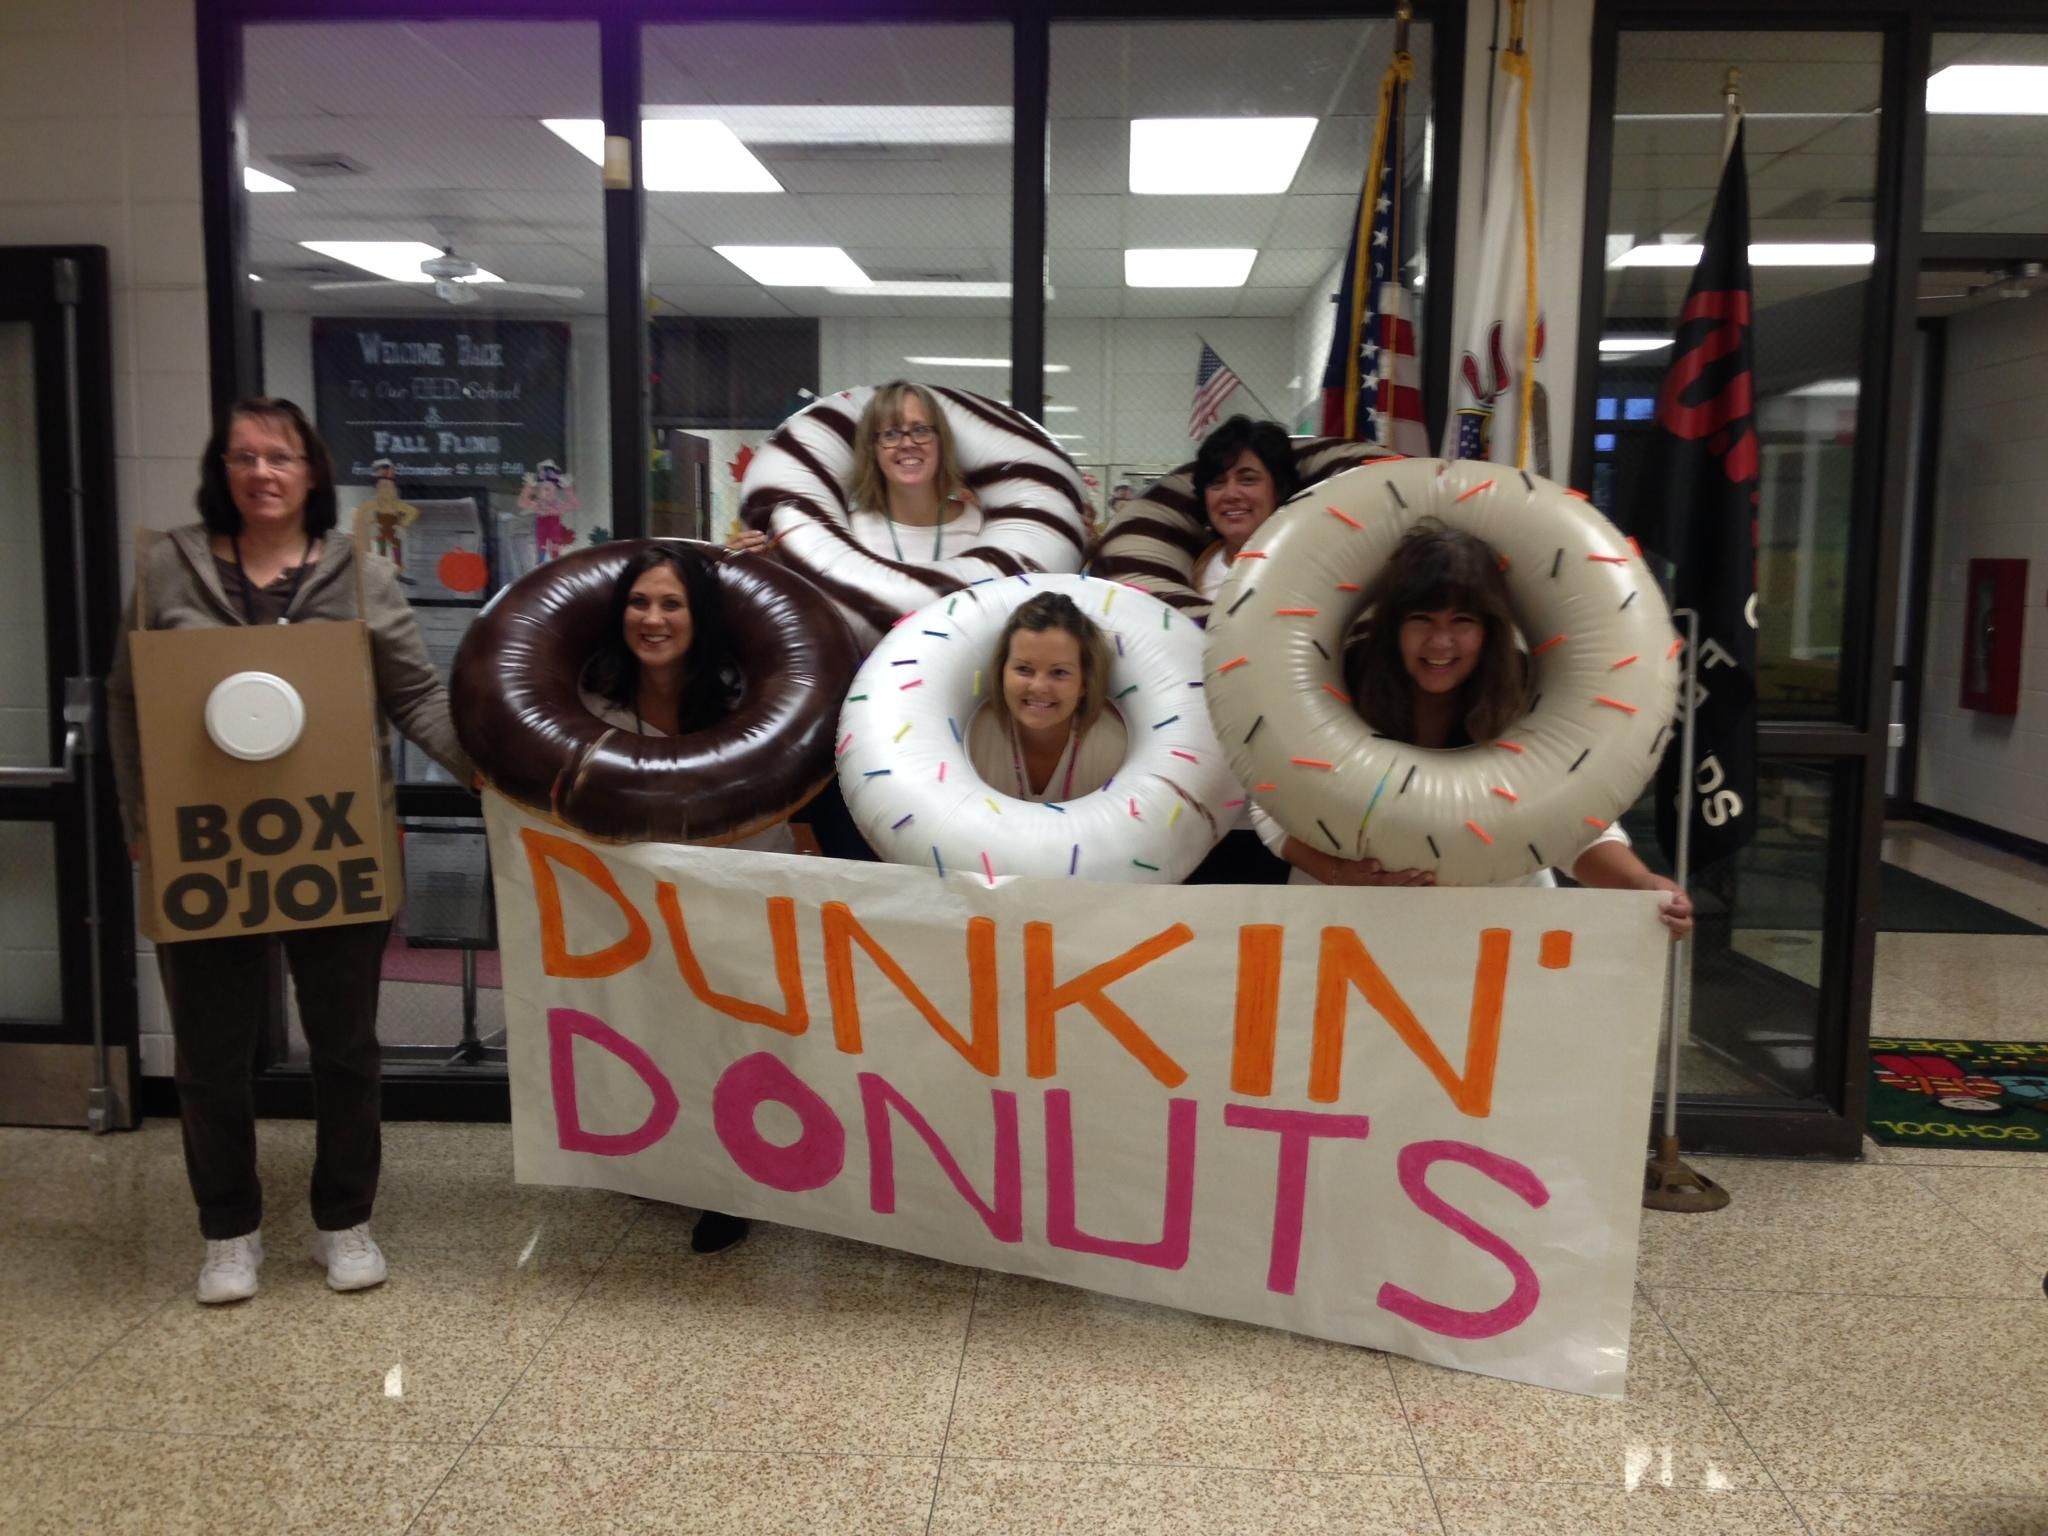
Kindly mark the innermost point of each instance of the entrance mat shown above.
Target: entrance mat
(1910, 903)
(1959, 1093)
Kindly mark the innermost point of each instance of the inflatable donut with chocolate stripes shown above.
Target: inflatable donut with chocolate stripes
(1604, 666)
(520, 715)
(1154, 540)
(798, 491)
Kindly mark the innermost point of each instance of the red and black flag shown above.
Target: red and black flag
(1697, 507)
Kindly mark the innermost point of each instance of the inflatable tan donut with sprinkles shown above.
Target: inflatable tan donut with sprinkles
(798, 491)
(1604, 659)
(1154, 541)
(913, 792)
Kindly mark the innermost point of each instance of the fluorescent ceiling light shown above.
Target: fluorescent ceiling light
(978, 362)
(852, 124)
(695, 155)
(1826, 389)
(1208, 156)
(2010, 90)
(1061, 410)
(795, 266)
(399, 260)
(1068, 437)
(254, 278)
(254, 180)
(1634, 343)
(1188, 267)
(1761, 117)
(1831, 253)
(941, 290)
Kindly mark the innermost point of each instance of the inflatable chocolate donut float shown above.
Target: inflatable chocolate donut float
(798, 491)
(1155, 539)
(520, 714)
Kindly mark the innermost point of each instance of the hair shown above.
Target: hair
(1223, 447)
(216, 502)
(1056, 611)
(708, 666)
(885, 409)
(1433, 568)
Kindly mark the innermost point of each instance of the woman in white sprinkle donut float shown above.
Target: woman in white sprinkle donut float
(1178, 540)
(1448, 755)
(888, 496)
(1041, 726)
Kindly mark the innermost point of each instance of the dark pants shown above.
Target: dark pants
(1240, 859)
(832, 824)
(216, 989)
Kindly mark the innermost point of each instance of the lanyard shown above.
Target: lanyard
(1073, 755)
(291, 592)
(938, 534)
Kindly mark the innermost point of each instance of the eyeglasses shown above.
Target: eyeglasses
(919, 433)
(247, 463)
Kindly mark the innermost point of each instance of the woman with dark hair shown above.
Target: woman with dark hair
(1048, 732)
(1243, 471)
(666, 668)
(1438, 665)
(265, 552)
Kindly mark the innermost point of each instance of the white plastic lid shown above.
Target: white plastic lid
(255, 716)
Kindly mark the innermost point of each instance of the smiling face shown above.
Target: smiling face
(267, 473)
(1441, 647)
(1042, 679)
(658, 629)
(908, 462)
(1239, 500)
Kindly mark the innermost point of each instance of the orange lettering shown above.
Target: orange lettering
(983, 1051)
(544, 850)
(1043, 1000)
(795, 1016)
(1258, 1008)
(1345, 963)
(1556, 953)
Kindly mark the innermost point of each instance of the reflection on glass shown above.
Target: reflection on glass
(1135, 203)
(876, 232)
(1761, 943)
(1812, 161)
(1987, 139)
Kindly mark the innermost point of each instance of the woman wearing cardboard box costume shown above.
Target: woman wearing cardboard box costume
(266, 552)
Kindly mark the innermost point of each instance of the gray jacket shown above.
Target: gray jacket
(183, 590)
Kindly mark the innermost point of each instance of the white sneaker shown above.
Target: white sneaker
(353, 1259)
(229, 1273)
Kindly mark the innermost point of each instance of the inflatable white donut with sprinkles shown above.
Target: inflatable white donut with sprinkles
(904, 768)
(1603, 657)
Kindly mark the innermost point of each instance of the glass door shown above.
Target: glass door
(67, 983)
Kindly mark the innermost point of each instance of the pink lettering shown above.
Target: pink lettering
(1414, 1164)
(812, 1161)
(565, 1025)
(1005, 1218)
(1295, 1128)
(1177, 1220)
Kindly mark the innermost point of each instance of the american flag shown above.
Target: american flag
(1214, 383)
(1370, 391)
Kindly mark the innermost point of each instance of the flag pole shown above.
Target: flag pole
(1668, 1184)
(1731, 111)
(1241, 384)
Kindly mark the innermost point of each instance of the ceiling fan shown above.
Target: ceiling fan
(452, 279)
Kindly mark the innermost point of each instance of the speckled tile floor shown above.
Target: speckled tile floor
(1848, 1350)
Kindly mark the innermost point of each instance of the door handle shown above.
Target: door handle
(63, 773)
(78, 726)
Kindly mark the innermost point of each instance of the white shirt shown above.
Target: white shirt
(1274, 836)
(875, 533)
(1212, 569)
(775, 839)
(1086, 766)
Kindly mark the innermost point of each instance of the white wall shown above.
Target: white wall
(1991, 503)
(99, 145)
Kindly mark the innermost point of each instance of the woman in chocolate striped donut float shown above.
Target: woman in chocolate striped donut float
(889, 496)
(1178, 539)
(1445, 753)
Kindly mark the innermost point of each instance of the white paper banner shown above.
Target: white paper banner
(1408, 1119)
